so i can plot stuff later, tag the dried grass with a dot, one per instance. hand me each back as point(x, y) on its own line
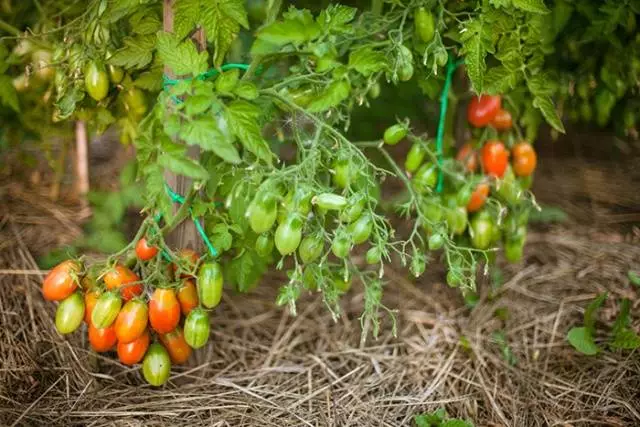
point(264, 367)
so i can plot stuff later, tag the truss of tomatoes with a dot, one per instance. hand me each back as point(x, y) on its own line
point(490, 169)
point(155, 327)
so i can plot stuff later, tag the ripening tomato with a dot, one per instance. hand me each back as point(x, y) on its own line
point(133, 352)
point(156, 366)
point(524, 159)
point(361, 229)
point(120, 277)
point(354, 208)
point(495, 158)
point(90, 299)
point(468, 157)
point(96, 81)
point(481, 231)
point(106, 310)
point(70, 313)
point(144, 251)
point(179, 350)
point(210, 284)
point(426, 178)
point(131, 321)
point(116, 74)
point(311, 248)
point(102, 340)
point(188, 261)
point(436, 241)
point(61, 281)
point(164, 310)
point(415, 157)
point(262, 212)
point(288, 235)
point(502, 120)
point(187, 296)
point(478, 197)
point(483, 109)
point(196, 328)
point(456, 219)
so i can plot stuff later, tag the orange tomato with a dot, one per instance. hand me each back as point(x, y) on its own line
point(188, 296)
point(120, 277)
point(90, 299)
point(133, 352)
point(468, 157)
point(131, 321)
point(524, 159)
point(164, 310)
point(144, 251)
point(61, 281)
point(179, 350)
point(502, 120)
point(102, 340)
point(478, 197)
point(495, 158)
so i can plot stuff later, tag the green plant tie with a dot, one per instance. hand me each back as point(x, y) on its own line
point(167, 82)
point(444, 102)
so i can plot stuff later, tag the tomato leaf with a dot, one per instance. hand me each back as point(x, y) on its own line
point(137, 52)
point(197, 104)
point(625, 339)
point(8, 94)
point(298, 27)
point(204, 132)
point(476, 42)
point(367, 61)
point(333, 95)
point(220, 237)
point(225, 82)
point(498, 80)
point(181, 57)
point(242, 117)
point(545, 105)
point(244, 271)
point(336, 17)
point(246, 90)
point(533, 6)
point(582, 340)
point(183, 166)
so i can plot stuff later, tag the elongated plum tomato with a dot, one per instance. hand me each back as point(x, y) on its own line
point(483, 109)
point(481, 231)
point(495, 158)
point(131, 321)
point(263, 213)
point(156, 366)
point(120, 277)
point(96, 81)
point(187, 296)
point(415, 157)
point(210, 283)
point(425, 24)
point(179, 350)
point(288, 236)
point(106, 310)
point(196, 328)
point(394, 134)
point(310, 248)
point(133, 352)
point(61, 281)
point(144, 251)
point(502, 120)
point(478, 197)
point(524, 159)
point(468, 157)
point(70, 313)
point(102, 340)
point(164, 310)
point(90, 299)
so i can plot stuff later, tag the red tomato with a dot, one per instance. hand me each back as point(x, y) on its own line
point(495, 158)
point(468, 157)
point(478, 197)
point(102, 340)
point(144, 251)
point(189, 259)
point(164, 310)
point(502, 120)
point(131, 321)
point(90, 299)
point(482, 109)
point(61, 281)
point(133, 352)
point(179, 350)
point(524, 159)
point(188, 296)
point(120, 277)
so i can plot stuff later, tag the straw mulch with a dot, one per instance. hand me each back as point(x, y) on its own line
point(264, 367)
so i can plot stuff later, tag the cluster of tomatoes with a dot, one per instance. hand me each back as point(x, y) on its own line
point(141, 322)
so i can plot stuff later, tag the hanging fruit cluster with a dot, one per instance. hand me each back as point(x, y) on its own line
point(146, 310)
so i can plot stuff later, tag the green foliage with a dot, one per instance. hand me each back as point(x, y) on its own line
point(439, 418)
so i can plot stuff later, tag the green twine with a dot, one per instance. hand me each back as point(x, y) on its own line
point(167, 82)
point(444, 102)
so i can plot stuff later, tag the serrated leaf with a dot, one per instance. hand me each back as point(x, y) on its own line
point(183, 166)
point(623, 319)
point(498, 80)
point(625, 339)
point(546, 107)
point(149, 80)
point(235, 10)
point(332, 96)
point(220, 237)
point(456, 423)
point(220, 29)
point(181, 57)
point(8, 94)
point(541, 85)
point(225, 82)
point(335, 17)
point(367, 61)
point(204, 132)
point(244, 271)
point(242, 119)
point(297, 28)
point(197, 104)
point(500, 3)
point(474, 55)
point(533, 6)
point(246, 90)
point(582, 340)
point(137, 52)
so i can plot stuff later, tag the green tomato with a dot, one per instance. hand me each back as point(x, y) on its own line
point(106, 310)
point(374, 90)
point(135, 103)
point(394, 134)
point(264, 245)
point(263, 213)
point(464, 196)
point(341, 285)
point(209, 284)
point(374, 255)
point(454, 279)
point(116, 74)
point(432, 209)
point(425, 24)
point(405, 72)
point(415, 157)
point(426, 178)
point(456, 219)
point(329, 201)
point(96, 81)
point(70, 313)
point(342, 175)
point(309, 277)
point(513, 249)
point(436, 241)
point(508, 189)
point(288, 236)
point(341, 246)
point(481, 232)
point(196, 328)
point(311, 248)
point(354, 208)
point(156, 366)
point(361, 229)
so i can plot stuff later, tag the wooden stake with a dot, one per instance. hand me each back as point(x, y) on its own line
point(82, 160)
